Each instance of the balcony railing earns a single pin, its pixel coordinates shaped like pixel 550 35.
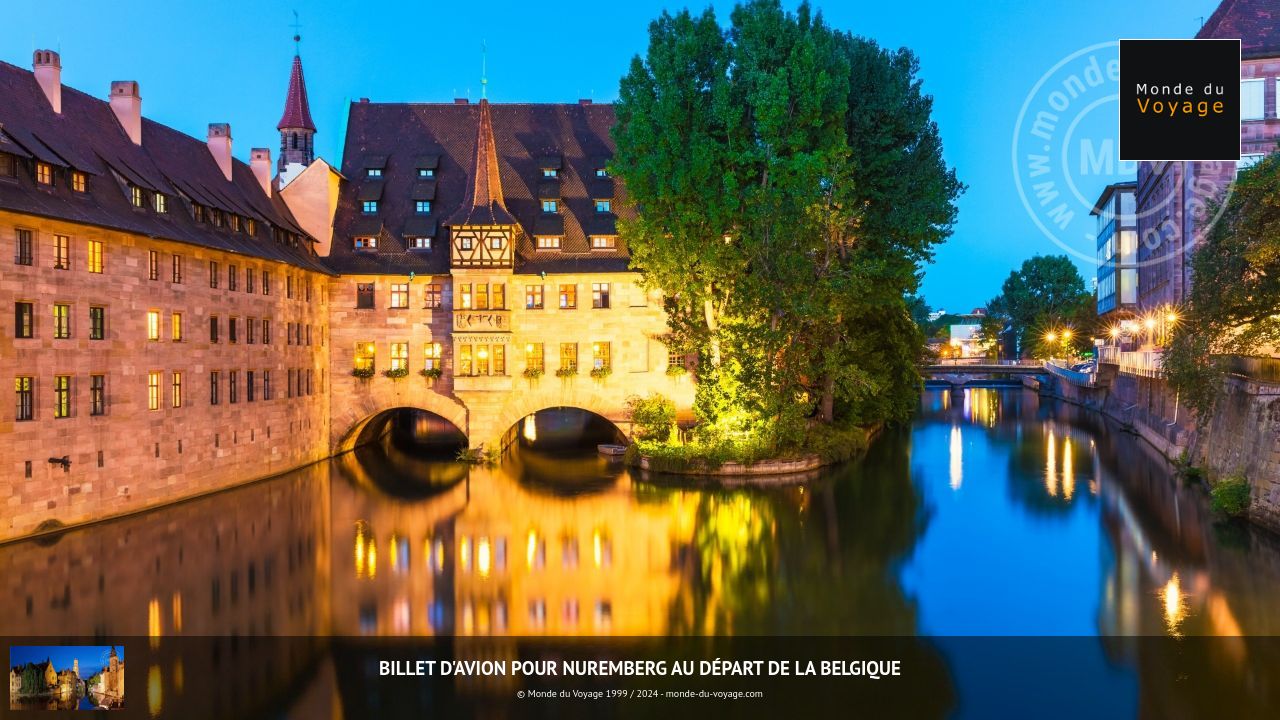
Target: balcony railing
pixel 1075 377
pixel 1146 363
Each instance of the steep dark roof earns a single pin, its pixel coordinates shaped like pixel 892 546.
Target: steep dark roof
pixel 297 110
pixel 526 137
pixel 1255 22
pixel 483 203
pixel 87 137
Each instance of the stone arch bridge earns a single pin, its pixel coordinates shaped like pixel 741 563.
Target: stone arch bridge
pixel 982 375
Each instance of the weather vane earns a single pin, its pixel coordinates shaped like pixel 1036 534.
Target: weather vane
pixel 297 33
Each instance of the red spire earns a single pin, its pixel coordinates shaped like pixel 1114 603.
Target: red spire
pixel 297 111
pixel 484 204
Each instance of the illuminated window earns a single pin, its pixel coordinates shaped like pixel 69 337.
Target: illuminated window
pixel 23 387
pixel 62 396
pixel 431 356
pixel 373 172
pixel 548 242
pixel 533 297
pixel 604 206
pixel 400 295
pixel 135 195
pixel 434 296
pixel 464 242
pixel 499 292
pixel 153 324
pixel 482 296
pixel 370 207
pixel 61 321
pixel 550 172
pixel 603 242
pixel 251 226
pixel 426 173
pixel 153 390
pixel 176 389
pixel 176 275
pixel 497 242
pixel 499 359
pixel 600 359
pixel 44 173
pixel 550 206
pixel 78 181
pixel 464 296
pixel 422 207
pixel 364 358
pixel 482 360
pixel 600 295
pixel 365 242
pixel 464 360
pixel 399 356
pixel 176 329
pixel 160 202
pixel 569 356
pixel 61 252
pixel 568 297
pixel 602 172
pixel 533 357
pixel 419 242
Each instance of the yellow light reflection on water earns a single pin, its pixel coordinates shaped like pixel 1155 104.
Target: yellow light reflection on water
pixel 1175 605
pixel 957 458
pixel 1051 464
pixel 1068 470
pixel 155 691
pixel 464 553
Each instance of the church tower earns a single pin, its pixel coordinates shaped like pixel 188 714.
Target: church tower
pixel 297 131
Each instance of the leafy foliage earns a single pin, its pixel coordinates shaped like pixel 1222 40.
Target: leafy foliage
pixel 1046 294
pixel 791 183
pixel 364 373
pixel 1230 496
pixel 396 373
pixel 654 416
pixel 432 373
pixel 1234 304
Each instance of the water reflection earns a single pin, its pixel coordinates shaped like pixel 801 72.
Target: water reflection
pixel 996 513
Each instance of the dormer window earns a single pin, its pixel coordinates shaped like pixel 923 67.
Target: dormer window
pixel 251 226
pixel 366 242
pixel 550 206
pixel 548 242
pixel 603 242
pixel 419 242
pixel 135 196
pixel 370 207
pixel 373 172
pixel 602 172
pixel 550 172
pixel 426 173
pixel 44 173
pixel 235 223
pixel 604 206
pixel 464 242
pixel 8 165
pixel 197 211
pixel 422 207
pixel 78 181
pixel 497 242
pixel 161 202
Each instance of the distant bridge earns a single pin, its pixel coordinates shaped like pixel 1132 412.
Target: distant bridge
pixel 981 374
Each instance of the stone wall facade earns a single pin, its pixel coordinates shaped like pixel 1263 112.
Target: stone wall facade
pixel 1243 437
pixel 124 455
pixel 486 406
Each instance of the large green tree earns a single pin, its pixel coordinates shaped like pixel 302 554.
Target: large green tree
pixel 790 183
pixel 1046 294
pixel 1234 304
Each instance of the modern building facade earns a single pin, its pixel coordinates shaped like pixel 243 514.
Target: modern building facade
pixel 1117 273
pixel 182 321
pixel 1176 200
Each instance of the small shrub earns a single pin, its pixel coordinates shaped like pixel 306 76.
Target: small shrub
pixel 565 372
pixel 434 373
pixel 533 373
pixel 364 373
pixel 676 370
pixel 396 373
pixel 1231 496
pixel 601 373
pixel 653 417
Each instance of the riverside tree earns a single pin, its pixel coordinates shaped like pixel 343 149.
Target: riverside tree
pixel 1046 294
pixel 1234 304
pixel 790 184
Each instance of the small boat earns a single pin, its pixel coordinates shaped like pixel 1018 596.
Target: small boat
pixel 612 450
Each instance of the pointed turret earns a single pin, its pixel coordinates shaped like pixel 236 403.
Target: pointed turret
pixel 483 204
pixel 297 131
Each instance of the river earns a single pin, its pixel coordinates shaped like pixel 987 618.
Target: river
pixel 996 513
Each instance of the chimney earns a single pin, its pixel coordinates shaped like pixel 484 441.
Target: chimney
pixel 584 101
pixel 220 146
pixel 48 69
pixel 260 163
pixel 126 102
pixel 461 101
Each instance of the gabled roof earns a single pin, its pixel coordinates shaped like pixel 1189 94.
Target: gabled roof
pixel 443 138
pixel 483 204
pixel 1255 22
pixel 86 137
pixel 297 110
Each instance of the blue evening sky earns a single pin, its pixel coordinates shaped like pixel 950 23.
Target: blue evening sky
pixel 92 657
pixel 201 62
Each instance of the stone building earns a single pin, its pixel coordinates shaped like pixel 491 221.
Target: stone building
pixel 182 321
pixel 1175 199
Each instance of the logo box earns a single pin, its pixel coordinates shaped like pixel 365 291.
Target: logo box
pixel 1180 100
